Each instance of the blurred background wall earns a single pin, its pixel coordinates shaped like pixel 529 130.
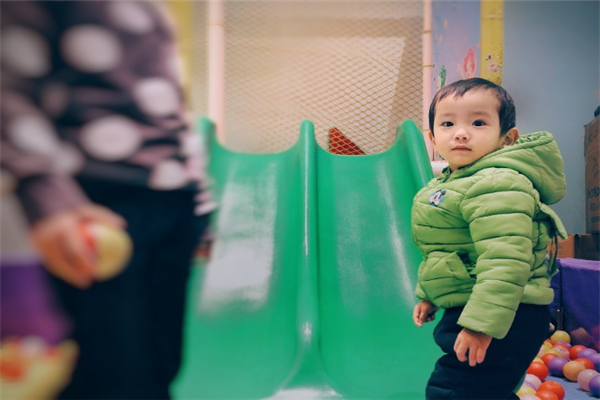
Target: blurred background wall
pixel 552 69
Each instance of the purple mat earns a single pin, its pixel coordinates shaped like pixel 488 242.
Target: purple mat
pixel 577 292
pixel 27 305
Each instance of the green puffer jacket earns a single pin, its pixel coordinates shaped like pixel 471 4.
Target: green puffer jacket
pixel 483 230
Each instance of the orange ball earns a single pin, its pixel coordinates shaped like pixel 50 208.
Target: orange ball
pixel 572 369
pixel 574 351
pixel 547 357
pixel 546 395
pixel 539 369
pixel 588 364
pixel 554 387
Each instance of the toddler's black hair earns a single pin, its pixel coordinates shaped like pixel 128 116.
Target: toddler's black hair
pixel 507 111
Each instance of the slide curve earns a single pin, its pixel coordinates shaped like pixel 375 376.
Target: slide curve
pixel 309 291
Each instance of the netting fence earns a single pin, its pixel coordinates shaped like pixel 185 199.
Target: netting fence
pixel 354 68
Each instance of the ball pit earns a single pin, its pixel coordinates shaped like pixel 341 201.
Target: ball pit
pixel 539 369
pixel 574 352
pixel 555 366
pixel 587 353
pixel 595 386
pixel 546 395
pixel 586 362
pixel 572 369
pixel 595 359
pixel 529 397
pixel 584 377
pixel 560 336
pixel 534 380
pixel 554 387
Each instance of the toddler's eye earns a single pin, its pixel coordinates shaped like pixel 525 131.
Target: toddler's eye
pixel 447 124
pixel 478 123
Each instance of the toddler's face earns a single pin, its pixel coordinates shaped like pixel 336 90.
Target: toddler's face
pixel 467 128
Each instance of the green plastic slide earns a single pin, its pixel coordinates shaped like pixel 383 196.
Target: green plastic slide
pixel 309 292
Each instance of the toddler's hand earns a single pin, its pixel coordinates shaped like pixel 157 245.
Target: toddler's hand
pixel 476 343
pixel 424 312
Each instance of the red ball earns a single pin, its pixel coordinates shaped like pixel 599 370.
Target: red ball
pixel 538 369
pixel 574 351
pixel 588 364
pixel 546 395
pixel 554 387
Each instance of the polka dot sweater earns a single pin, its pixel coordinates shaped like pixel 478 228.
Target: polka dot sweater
pixel 92 89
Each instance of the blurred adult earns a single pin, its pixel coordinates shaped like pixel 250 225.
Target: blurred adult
pixel 93 128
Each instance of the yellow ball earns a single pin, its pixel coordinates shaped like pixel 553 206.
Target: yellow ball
pixel 560 336
pixel 112 247
pixel 555 351
pixel 525 389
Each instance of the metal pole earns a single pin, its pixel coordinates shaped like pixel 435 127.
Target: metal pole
pixel 216 66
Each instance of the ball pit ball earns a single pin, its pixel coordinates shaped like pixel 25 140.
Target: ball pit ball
pixel 531 385
pixel 584 377
pixel 586 353
pixel 560 336
pixel 547 357
pixel 564 344
pixel 529 397
pixel 546 395
pixel 555 351
pixel 574 352
pixel 112 247
pixel 539 369
pixel 572 369
pixel 553 387
pixel 534 380
pixel 524 389
pixel 594 385
pixel 555 366
pixel 560 351
pixel 587 363
pixel 595 359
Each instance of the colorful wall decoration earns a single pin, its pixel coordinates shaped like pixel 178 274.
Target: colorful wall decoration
pixel 467 41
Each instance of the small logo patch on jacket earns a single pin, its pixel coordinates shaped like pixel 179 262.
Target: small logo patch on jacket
pixel 437 197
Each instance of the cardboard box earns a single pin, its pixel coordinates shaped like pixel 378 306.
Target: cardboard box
pixel 583 246
pixel 591 150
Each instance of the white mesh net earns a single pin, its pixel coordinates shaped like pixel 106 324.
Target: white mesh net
pixel 354 66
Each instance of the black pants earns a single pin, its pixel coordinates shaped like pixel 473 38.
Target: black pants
pixel 129 329
pixel 505 363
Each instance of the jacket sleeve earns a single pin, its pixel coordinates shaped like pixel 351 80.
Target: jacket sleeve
pixel 30 149
pixel 420 293
pixel 499 210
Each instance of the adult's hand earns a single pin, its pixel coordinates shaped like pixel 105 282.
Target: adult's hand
pixel 61 244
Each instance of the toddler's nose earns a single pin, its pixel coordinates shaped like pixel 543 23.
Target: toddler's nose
pixel 461 134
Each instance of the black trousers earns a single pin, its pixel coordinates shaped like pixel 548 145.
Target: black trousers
pixel 505 363
pixel 129 329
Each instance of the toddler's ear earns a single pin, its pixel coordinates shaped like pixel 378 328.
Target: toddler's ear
pixel 431 137
pixel 511 137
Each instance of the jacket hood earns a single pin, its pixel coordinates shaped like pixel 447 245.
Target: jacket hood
pixel 535 155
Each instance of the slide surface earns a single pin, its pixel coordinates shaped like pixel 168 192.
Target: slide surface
pixel 309 291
